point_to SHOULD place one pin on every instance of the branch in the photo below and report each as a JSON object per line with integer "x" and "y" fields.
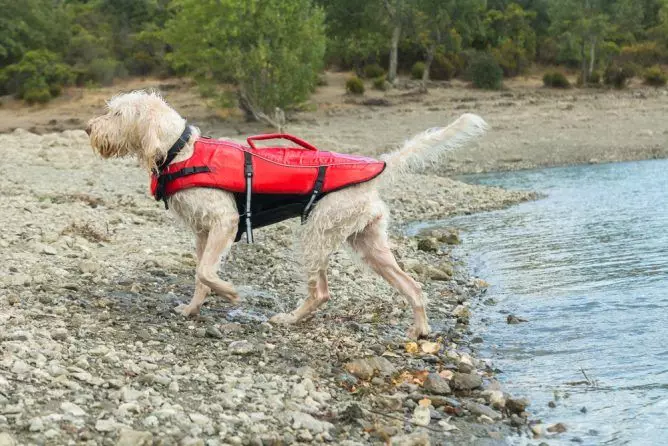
{"x": 277, "y": 122}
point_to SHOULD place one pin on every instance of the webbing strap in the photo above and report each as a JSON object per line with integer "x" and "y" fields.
{"x": 317, "y": 188}
{"x": 248, "y": 173}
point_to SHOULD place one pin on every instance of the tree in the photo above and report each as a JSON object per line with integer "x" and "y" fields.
{"x": 510, "y": 33}
{"x": 271, "y": 49}
{"x": 399, "y": 13}
{"x": 583, "y": 23}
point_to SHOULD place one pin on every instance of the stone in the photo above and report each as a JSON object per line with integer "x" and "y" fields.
{"x": 514, "y": 320}
{"x": 49, "y": 250}
{"x": 36, "y": 425}
{"x": 479, "y": 409}
{"x": 88, "y": 267}
{"x": 436, "y": 385}
{"x": 462, "y": 312}
{"x": 517, "y": 405}
{"x": 108, "y": 425}
{"x": 466, "y": 381}
{"x": 421, "y": 416}
{"x": 419, "y": 438}
{"x": 59, "y": 334}
{"x": 213, "y": 332}
{"x": 367, "y": 367}
{"x": 199, "y": 419}
{"x": 428, "y": 244}
{"x": 242, "y": 347}
{"x": 72, "y": 409}
{"x": 558, "y": 428}
{"x": 537, "y": 430}
{"x": 134, "y": 438}
{"x": 301, "y": 420}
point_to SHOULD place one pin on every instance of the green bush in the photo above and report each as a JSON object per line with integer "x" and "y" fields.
{"x": 442, "y": 69}
{"x": 380, "y": 83}
{"x": 512, "y": 58}
{"x": 645, "y": 54}
{"x": 485, "y": 72}
{"x": 655, "y": 77}
{"x": 418, "y": 70}
{"x": 373, "y": 71}
{"x": 37, "y": 77}
{"x": 354, "y": 85}
{"x": 556, "y": 79}
{"x": 618, "y": 75}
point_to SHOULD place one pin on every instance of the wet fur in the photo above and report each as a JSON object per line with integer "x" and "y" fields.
{"x": 143, "y": 125}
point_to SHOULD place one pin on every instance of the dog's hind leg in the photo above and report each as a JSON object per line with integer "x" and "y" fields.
{"x": 201, "y": 290}
{"x": 373, "y": 247}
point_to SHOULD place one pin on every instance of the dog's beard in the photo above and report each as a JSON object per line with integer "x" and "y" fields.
{"x": 106, "y": 149}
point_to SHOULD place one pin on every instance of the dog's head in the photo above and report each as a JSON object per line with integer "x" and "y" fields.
{"x": 138, "y": 123}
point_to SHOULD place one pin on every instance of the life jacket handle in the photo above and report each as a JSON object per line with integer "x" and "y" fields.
{"x": 292, "y": 138}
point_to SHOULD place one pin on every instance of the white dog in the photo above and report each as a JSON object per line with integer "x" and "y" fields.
{"x": 141, "y": 124}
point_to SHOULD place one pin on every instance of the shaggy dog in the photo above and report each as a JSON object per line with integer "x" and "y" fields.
{"x": 143, "y": 125}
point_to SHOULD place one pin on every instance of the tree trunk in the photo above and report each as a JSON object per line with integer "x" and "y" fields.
{"x": 394, "y": 54}
{"x": 592, "y": 56}
{"x": 584, "y": 62}
{"x": 427, "y": 65}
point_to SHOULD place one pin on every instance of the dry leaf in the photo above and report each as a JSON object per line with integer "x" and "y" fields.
{"x": 446, "y": 374}
{"x": 425, "y": 402}
{"x": 412, "y": 347}
{"x": 416, "y": 377}
{"x": 431, "y": 347}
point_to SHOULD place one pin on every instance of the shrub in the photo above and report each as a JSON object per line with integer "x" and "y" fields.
{"x": 556, "y": 79}
{"x": 645, "y": 54}
{"x": 418, "y": 70}
{"x": 512, "y": 58}
{"x": 485, "y": 72}
{"x": 380, "y": 83}
{"x": 593, "y": 79}
{"x": 354, "y": 85}
{"x": 655, "y": 77}
{"x": 373, "y": 71}
{"x": 37, "y": 77}
{"x": 617, "y": 76}
{"x": 442, "y": 69}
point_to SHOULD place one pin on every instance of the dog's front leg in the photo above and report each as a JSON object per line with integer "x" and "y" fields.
{"x": 318, "y": 294}
{"x": 212, "y": 247}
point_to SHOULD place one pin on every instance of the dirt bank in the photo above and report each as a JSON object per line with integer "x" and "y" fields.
{"x": 91, "y": 352}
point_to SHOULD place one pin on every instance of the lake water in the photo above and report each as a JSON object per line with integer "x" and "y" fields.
{"x": 587, "y": 266}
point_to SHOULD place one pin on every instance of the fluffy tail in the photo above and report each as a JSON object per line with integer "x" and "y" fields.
{"x": 429, "y": 147}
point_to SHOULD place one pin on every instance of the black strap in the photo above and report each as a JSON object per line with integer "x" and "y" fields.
{"x": 248, "y": 172}
{"x": 317, "y": 189}
{"x": 163, "y": 163}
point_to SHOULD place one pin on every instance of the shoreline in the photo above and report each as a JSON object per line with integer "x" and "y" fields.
{"x": 93, "y": 351}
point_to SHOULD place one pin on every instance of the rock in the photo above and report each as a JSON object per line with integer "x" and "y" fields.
{"x": 151, "y": 421}
{"x": 513, "y": 320}
{"x": 436, "y": 385}
{"x": 465, "y": 367}
{"x": 496, "y": 399}
{"x": 462, "y": 312}
{"x": 213, "y": 332}
{"x": 419, "y": 438}
{"x": 36, "y": 425}
{"x": 301, "y": 420}
{"x": 479, "y": 409}
{"x": 428, "y": 244}
{"x": 241, "y": 347}
{"x": 199, "y": 419}
{"x": 412, "y": 265}
{"x": 421, "y": 415}
{"x": 49, "y": 250}
{"x": 134, "y": 438}
{"x": 20, "y": 367}
{"x": 7, "y": 440}
{"x": 551, "y": 404}
{"x": 88, "y": 267}
{"x": 59, "y": 334}
{"x": 438, "y": 274}
{"x": 558, "y": 428}
{"x": 517, "y": 405}
{"x": 72, "y": 409}
{"x": 108, "y": 425}
{"x": 537, "y": 430}
{"x": 466, "y": 381}
{"x": 367, "y": 367}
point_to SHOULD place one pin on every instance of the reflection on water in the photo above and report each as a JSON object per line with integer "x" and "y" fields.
{"x": 588, "y": 267}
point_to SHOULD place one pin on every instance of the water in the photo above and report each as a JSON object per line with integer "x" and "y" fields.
{"x": 588, "y": 267}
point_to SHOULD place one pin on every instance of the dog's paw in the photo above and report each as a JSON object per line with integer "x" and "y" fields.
{"x": 415, "y": 332}
{"x": 283, "y": 319}
{"x": 186, "y": 310}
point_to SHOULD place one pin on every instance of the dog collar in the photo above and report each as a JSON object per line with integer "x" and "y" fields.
{"x": 175, "y": 149}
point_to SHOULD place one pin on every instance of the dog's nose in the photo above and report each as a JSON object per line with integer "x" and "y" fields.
{"x": 88, "y": 129}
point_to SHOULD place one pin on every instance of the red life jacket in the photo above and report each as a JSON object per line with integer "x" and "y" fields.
{"x": 285, "y": 182}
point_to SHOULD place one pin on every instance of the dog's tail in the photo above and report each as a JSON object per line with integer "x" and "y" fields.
{"x": 429, "y": 147}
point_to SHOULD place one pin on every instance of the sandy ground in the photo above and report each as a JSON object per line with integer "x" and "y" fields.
{"x": 91, "y": 351}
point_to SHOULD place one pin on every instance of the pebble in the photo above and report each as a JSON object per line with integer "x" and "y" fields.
{"x": 134, "y": 438}
{"x": 436, "y": 385}
{"x": 517, "y": 405}
{"x": 301, "y": 420}
{"x": 480, "y": 409}
{"x": 72, "y": 409}
{"x": 7, "y": 440}
{"x": 36, "y": 425}
{"x": 49, "y": 250}
{"x": 213, "y": 332}
{"x": 242, "y": 347}
{"x": 558, "y": 428}
{"x": 466, "y": 381}
{"x": 89, "y": 267}
{"x": 108, "y": 425}
{"x": 421, "y": 416}
{"x": 415, "y": 439}
{"x": 59, "y": 334}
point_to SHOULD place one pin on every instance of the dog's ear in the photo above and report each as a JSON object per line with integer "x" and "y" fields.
{"x": 150, "y": 142}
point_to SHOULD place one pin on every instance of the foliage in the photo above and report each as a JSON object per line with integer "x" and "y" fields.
{"x": 272, "y": 49}
{"x": 485, "y": 72}
{"x": 418, "y": 70}
{"x": 355, "y": 85}
{"x": 556, "y": 79}
{"x": 645, "y": 54}
{"x": 372, "y": 71}
{"x": 618, "y": 75}
{"x": 380, "y": 83}
{"x": 37, "y": 77}
{"x": 442, "y": 69}
{"x": 655, "y": 77}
